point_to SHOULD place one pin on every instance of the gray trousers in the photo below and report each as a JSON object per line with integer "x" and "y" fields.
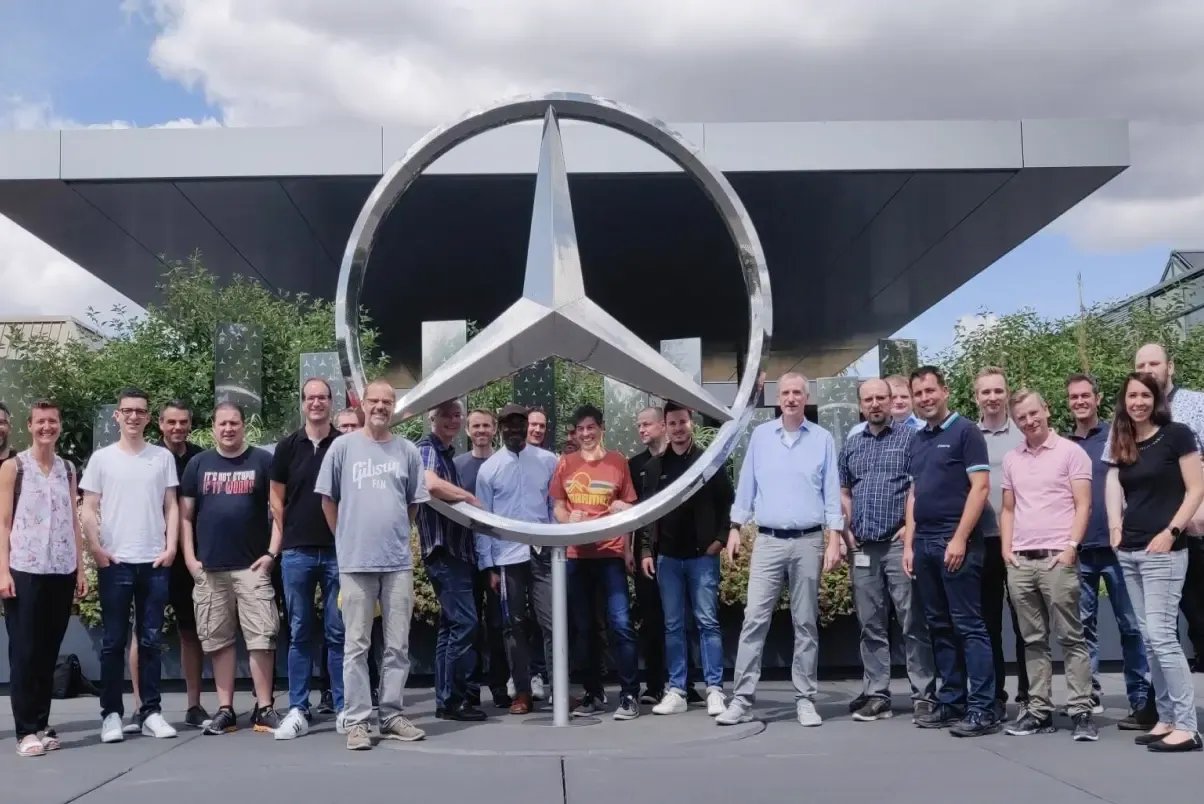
{"x": 878, "y": 581}
{"x": 361, "y": 592}
{"x": 1155, "y": 584}
{"x": 796, "y": 564}
{"x": 541, "y": 601}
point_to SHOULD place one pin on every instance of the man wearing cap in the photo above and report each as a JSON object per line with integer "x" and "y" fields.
{"x": 513, "y": 483}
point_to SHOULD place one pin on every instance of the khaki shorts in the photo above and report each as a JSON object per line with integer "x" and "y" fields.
{"x": 226, "y": 600}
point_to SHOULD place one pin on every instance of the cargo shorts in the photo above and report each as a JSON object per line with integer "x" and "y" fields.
{"x": 226, "y": 600}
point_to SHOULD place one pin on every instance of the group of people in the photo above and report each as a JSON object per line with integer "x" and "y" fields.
{"x": 941, "y": 519}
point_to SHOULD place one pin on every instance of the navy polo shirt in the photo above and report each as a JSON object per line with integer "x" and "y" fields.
{"x": 1093, "y": 444}
{"x": 943, "y": 458}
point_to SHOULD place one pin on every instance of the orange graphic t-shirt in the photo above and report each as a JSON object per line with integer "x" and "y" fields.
{"x": 590, "y": 487}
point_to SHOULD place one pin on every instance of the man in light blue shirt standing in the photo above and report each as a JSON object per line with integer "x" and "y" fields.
{"x": 790, "y": 485}
{"x": 513, "y": 483}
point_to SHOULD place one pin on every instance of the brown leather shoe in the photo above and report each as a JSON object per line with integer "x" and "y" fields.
{"x": 522, "y": 704}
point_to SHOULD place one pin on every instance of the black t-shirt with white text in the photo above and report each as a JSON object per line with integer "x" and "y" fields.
{"x": 1154, "y": 487}
{"x": 232, "y": 528}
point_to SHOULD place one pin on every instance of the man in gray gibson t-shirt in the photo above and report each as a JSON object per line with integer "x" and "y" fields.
{"x": 371, "y": 484}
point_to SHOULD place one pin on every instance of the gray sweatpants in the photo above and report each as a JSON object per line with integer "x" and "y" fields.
{"x": 361, "y": 592}
{"x": 797, "y": 564}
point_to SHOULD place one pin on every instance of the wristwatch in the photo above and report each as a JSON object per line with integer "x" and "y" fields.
{"x": 1175, "y": 532}
{"x": 273, "y": 556}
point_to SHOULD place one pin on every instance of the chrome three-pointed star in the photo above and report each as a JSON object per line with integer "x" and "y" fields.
{"x": 554, "y": 317}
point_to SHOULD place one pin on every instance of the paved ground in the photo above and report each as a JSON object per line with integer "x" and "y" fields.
{"x": 684, "y": 757}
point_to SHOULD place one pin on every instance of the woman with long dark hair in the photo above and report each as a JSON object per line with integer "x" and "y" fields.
{"x": 1154, "y": 487}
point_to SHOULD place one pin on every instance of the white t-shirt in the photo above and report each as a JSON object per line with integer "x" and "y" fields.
{"x": 131, "y": 489}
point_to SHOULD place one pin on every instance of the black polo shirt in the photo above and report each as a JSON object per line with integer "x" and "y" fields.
{"x": 191, "y": 450}
{"x": 943, "y": 458}
{"x": 296, "y": 464}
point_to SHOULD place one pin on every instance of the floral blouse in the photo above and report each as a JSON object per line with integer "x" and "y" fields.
{"x": 43, "y": 535}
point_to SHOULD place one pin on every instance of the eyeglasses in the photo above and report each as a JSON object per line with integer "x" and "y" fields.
{"x": 316, "y": 398}
{"x": 133, "y": 413}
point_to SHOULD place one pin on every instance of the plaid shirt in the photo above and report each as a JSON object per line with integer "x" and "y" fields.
{"x": 877, "y": 472}
{"x": 434, "y": 529}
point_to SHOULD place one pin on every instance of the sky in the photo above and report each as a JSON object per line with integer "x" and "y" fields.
{"x": 121, "y": 63}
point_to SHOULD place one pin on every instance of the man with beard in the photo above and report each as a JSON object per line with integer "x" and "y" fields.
{"x": 875, "y": 475}
{"x": 514, "y": 483}
{"x": 6, "y": 451}
{"x": 371, "y": 483}
{"x": 682, "y": 552}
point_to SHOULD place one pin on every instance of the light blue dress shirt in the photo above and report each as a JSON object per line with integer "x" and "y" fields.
{"x": 789, "y": 484}
{"x": 513, "y": 485}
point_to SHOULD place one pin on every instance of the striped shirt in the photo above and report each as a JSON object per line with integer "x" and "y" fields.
{"x": 876, "y": 469}
{"x": 435, "y": 530}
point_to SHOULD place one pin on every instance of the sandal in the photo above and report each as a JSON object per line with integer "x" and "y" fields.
{"x": 30, "y": 746}
{"x": 50, "y": 740}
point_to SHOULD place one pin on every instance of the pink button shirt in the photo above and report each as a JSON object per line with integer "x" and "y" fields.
{"x": 1040, "y": 481}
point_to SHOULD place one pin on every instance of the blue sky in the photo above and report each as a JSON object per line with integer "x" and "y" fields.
{"x": 90, "y": 61}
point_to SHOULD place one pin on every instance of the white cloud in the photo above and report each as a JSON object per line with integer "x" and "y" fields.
{"x": 282, "y": 62}
{"x": 973, "y": 322}
{"x": 61, "y": 286}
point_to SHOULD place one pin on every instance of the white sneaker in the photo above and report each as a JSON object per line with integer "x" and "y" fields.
{"x": 674, "y": 703}
{"x": 340, "y": 723}
{"x": 293, "y": 726}
{"x": 111, "y": 730}
{"x": 538, "y": 691}
{"x": 807, "y": 716}
{"x": 735, "y": 713}
{"x": 156, "y": 726}
{"x": 510, "y": 688}
{"x": 716, "y": 703}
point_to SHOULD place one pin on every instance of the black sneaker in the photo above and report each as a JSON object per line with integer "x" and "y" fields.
{"x": 692, "y": 696}
{"x": 196, "y": 717}
{"x": 326, "y": 704}
{"x": 858, "y": 702}
{"x": 975, "y": 724}
{"x": 1028, "y": 724}
{"x": 1142, "y": 719}
{"x": 628, "y": 708}
{"x": 1084, "y": 729}
{"x": 265, "y": 719}
{"x": 652, "y": 697}
{"x": 224, "y": 722}
{"x": 589, "y": 706}
{"x": 874, "y": 709}
{"x": 465, "y": 713}
{"x": 942, "y": 716}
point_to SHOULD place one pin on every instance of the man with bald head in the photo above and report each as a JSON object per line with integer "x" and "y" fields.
{"x": 1187, "y": 407}
{"x": 875, "y": 474}
{"x": 372, "y": 484}
{"x": 789, "y": 485}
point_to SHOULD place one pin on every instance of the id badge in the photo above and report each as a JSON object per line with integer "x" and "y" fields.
{"x": 861, "y": 560}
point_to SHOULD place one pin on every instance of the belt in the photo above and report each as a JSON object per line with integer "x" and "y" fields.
{"x": 785, "y": 533}
{"x": 1036, "y": 554}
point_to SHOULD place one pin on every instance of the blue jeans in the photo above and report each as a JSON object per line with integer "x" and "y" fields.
{"x": 1096, "y": 564}
{"x": 586, "y": 577}
{"x": 695, "y": 580}
{"x": 952, "y": 604}
{"x": 455, "y": 658}
{"x": 303, "y": 570}
{"x": 144, "y": 587}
